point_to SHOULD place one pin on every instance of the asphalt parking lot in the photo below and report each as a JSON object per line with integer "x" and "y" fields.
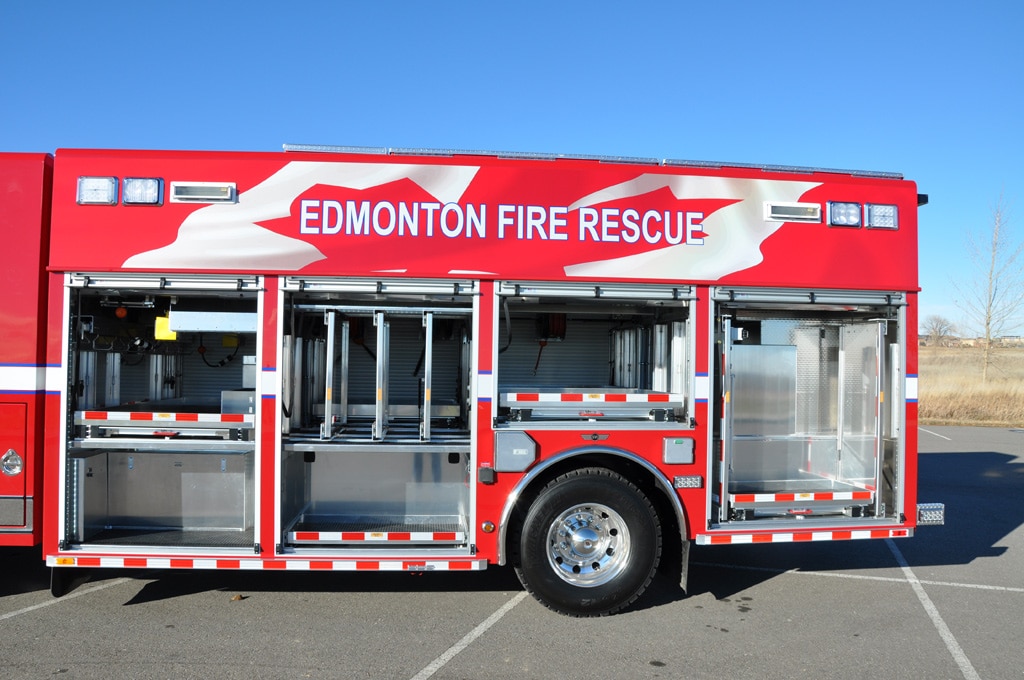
{"x": 947, "y": 603}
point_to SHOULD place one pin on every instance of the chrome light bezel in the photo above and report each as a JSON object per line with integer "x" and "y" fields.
{"x": 845, "y": 214}
{"x": 96, "y": 191}
{"x": 142, "y": 191}
{"x": 881, "y": 216}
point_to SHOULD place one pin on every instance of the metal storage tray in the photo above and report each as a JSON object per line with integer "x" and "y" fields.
{"x": 379, "y": 531}
{"x": 798, "y": 485}
{"x": 816, "y": 495}
{"x": 543, "y": 402}
{"x": 173, "y": 538}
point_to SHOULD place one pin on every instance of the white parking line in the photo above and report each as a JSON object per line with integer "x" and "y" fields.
{"x": 440, "y": 662}
{"x": 861, "y": 577}
{"x": 936, "y": 434}
{"x": 59, "y": 600}
{"x": 966, "y": 668}
{"x": 947, "y": 636}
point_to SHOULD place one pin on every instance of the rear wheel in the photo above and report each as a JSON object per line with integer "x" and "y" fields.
{"x": 590, "y": 543}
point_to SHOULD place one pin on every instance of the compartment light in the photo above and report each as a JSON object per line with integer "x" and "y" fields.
{"x": 844, "y": 214}
{"x": 792, "y": 212}
{"x": 881, "y": 216}
{"x": 143, "y": 191}
{"x": 203, "y": 192}
{"x": 97, "y": 190}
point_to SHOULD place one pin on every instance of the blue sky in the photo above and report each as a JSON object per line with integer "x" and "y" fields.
{"x": 933, "y": 90}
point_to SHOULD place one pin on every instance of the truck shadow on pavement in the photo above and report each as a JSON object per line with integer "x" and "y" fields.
{"x": 169, "y": 584}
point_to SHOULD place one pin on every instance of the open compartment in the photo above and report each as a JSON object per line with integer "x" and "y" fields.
{"x": 376, "y": 442}
{"x": 161, "y": 419}
{"x": 577, "y": 352}
{"x": 368, "y": 496}
{"x": 162, "y": 498}
{"x": 808, "y": 393}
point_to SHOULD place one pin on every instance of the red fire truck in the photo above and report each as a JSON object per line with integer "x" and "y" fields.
{"x": 381, "y": 360}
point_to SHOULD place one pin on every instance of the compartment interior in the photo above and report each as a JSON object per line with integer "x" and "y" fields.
{"x": 161, "y": 450}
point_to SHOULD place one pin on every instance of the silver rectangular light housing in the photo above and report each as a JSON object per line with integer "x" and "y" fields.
{"x": 203, "y": 192}
{"x": 143, "y": 191}
{"x": 97, "y": 191}
{"x": 881, "y": 216}
{"x": 792, "y": 212}
{"x": 841, "y": 214}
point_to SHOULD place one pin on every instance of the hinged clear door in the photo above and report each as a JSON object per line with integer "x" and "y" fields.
{"x": 801, "y": 426}
{"x": 860, "y": 387}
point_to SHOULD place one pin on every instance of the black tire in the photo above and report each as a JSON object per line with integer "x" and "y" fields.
{"x": 590, "y": 543}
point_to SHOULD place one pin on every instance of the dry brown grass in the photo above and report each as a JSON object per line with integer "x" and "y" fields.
{"x": 951, "y": 391}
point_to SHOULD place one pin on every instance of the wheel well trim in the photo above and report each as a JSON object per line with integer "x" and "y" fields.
{"x": 660, "y": 480}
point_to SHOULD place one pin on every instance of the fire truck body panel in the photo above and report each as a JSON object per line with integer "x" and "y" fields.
{"x": 492, "y": 217}
{"x": 409, "y": 362}
{"x": 25, "y": 181}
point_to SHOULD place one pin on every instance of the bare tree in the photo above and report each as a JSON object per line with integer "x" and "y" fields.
{"x": 995, "y": 298}
{"x": 937, "y": 329}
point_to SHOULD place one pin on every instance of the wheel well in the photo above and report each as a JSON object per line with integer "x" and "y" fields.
{"x": 643, "y": 478}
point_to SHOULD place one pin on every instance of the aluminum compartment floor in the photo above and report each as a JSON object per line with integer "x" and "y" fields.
{"x": 173, "y": 538}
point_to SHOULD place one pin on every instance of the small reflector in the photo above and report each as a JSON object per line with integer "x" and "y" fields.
{"x": 202, "y": 192}
{"x": 792, "y": 212}
{"x": 11, "y": 463}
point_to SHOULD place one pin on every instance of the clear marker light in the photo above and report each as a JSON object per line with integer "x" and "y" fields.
{"x": 97, "y": 190}
{"x": 881, "y": 216}
{"x": 143, "y": 191}
{"x": 844, "y": 214}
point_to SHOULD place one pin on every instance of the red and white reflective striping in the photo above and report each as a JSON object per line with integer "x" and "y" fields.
{"x": 801, "y": 536}
{"x": 787, "y": 497}
{"x": 255, "y": 564}
{"x": 144, "y": 416}
{"x": 612, "y": 397}
{"x": 383, "y": 536}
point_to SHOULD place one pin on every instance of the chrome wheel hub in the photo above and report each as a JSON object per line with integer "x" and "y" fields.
{"x": 588, "y": 545}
